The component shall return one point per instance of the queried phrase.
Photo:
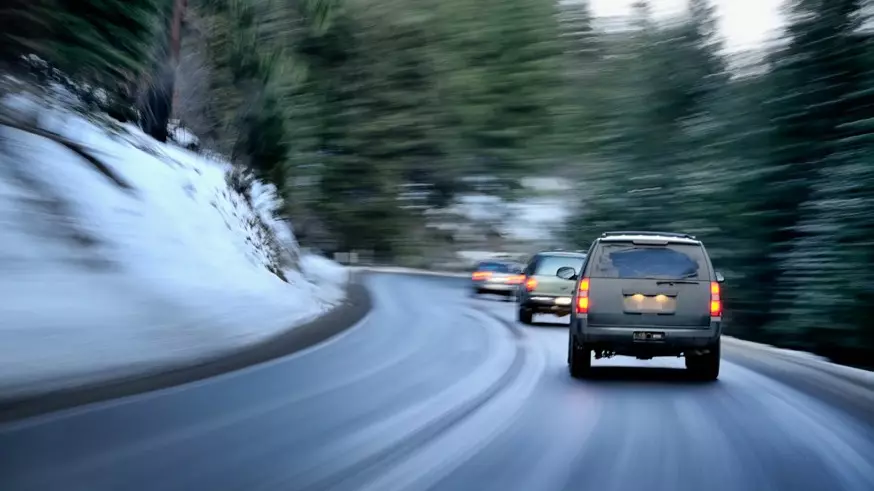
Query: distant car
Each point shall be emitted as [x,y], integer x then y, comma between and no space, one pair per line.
[646,294]
[497,277]
[543,291]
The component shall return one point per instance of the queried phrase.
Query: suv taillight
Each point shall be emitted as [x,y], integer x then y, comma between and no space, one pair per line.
[530,284]
[583,297]
[715,300]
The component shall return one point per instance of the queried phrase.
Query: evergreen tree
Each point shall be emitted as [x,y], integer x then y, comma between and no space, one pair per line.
[808,99]
[824,287]
[157,103]
[502,67]
[381,124]
[105,44]
[663,129]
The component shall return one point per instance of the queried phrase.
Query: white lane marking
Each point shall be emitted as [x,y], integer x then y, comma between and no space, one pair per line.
[569,434]
[694,415]
[394,428]
[157,441]
[434,461]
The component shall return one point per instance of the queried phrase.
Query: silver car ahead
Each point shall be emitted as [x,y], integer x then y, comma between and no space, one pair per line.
[497,277]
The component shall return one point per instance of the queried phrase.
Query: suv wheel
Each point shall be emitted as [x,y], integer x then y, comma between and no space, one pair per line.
[705,367]
[525,315]
[579,358]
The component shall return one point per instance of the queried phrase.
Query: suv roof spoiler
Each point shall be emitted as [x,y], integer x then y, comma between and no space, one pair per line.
[637,232]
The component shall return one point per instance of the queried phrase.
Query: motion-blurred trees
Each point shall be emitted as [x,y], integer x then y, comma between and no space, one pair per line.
[361,111]
[501,63]
[663,82]
[95,44]
[824,133]
[156,103]
[771,164]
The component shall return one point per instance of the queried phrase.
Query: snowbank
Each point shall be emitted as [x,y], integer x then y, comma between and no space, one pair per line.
[97,278]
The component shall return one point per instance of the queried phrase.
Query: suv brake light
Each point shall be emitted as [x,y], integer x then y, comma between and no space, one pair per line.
[481,275]
[530,284]
[715,300]
[583,297]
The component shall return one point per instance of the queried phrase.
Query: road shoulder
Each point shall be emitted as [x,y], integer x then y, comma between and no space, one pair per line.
[849,389]
[345,315]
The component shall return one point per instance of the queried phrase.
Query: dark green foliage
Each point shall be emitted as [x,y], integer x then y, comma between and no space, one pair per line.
[346,105]
[156,104]
[263,142]
[105,43]
[826,254]
[774,170]
[663,82]
[501,63]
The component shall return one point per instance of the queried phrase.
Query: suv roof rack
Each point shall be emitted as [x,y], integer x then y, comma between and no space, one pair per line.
[637,232]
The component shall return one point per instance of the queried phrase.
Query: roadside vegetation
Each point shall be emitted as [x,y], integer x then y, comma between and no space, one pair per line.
[765,154]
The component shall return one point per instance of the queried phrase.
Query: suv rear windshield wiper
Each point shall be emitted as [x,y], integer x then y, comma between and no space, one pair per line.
[683,280]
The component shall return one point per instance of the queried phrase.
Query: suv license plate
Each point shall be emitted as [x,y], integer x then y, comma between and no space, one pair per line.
[648,336]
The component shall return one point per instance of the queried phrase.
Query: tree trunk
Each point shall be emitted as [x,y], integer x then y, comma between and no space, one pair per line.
[160,95]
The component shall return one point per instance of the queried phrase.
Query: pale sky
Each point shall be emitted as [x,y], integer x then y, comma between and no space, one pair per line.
[745,23]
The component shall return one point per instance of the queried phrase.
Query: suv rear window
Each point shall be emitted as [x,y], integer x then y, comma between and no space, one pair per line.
[631,261]
[549,265]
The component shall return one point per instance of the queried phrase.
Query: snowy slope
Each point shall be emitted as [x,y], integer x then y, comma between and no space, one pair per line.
[96,279]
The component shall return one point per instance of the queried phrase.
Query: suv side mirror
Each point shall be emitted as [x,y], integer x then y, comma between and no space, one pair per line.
[719,277]
[566,273]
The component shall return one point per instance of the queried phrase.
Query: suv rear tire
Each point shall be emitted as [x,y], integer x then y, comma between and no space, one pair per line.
[579,358]
[525,315]
[705,367]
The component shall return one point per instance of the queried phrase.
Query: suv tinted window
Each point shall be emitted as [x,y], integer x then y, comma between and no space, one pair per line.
[630,261]
[549,265]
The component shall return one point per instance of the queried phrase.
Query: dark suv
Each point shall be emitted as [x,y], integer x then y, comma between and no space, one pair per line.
[543,292]
[646,294]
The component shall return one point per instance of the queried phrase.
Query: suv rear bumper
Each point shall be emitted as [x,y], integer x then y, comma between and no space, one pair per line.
[620,339]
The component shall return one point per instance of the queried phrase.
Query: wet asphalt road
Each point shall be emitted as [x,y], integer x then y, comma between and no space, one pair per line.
[437,391]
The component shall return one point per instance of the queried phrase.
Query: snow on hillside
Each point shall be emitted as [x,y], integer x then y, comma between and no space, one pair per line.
[97,279]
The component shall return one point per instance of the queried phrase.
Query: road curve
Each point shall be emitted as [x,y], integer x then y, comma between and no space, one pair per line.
[437,391]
